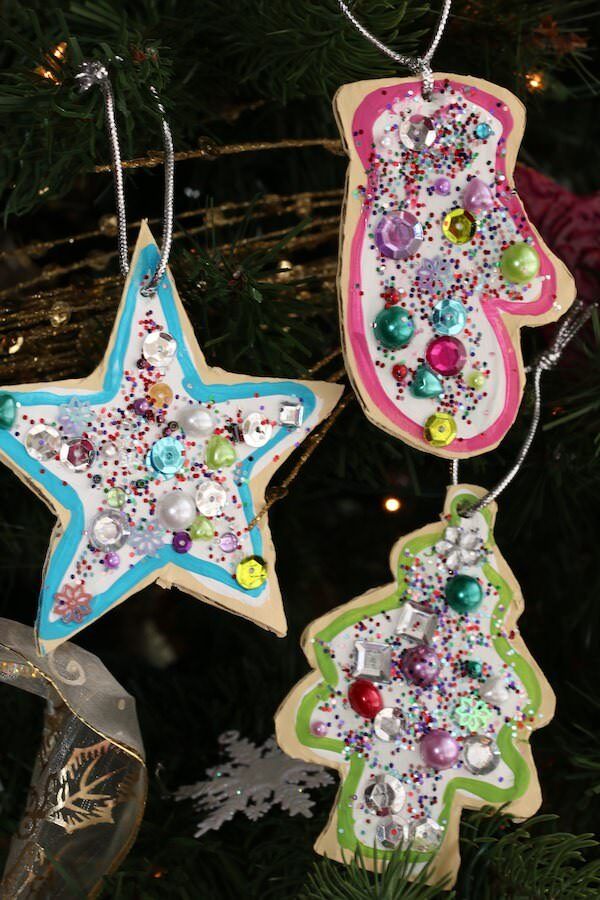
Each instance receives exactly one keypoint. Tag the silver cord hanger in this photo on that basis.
(94, 73)
(419, 64)
(569, 327)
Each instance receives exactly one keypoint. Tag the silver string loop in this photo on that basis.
(93, 73)
(569, 327)
(418, 64)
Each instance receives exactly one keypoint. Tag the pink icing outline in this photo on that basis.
(362, 124)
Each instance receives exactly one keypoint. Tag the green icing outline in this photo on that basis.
(489, 793)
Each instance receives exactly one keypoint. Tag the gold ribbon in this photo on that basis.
(88, 787)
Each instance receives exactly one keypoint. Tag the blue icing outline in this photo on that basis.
(67, 496)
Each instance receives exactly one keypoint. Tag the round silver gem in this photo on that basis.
(159, 349)
(389, 723)
(417, 132)
(428, 836)
(43, 442)
(109, 530)
(480, 754)
(394, 833)
(255, 431)
(210, 498)
(385, 794)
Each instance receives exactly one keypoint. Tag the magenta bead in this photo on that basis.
(399, 236)
(439, 749)
(446, 355)
(421, 665)
(112, 560)
(477, 195)
(181, 542)
(319, 729)
(442, 187)
(141, 406)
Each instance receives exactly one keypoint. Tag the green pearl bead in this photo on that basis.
(116, 497)
(219, 452)
(425, 384)
(8, 411)
(463, 593)
(519, 263)
(201, 529)
(393, 327)
(476, 380)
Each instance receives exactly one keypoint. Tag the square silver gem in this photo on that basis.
(373, 660)
(291, 413)
(416, 622)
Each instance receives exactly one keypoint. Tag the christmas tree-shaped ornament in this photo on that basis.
(156, 466)
(424, 697)
(440, 267)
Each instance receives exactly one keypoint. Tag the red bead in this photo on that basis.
(399, 372)
(391, 297)
(365, 698)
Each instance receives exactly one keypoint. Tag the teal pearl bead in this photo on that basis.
(426, 384)
(519, 263)
(393, 327)
(8, 411)
(463, 593)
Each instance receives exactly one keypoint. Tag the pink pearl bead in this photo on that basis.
(439, 749)
(319, 729)
(421, 665)
(446, 355)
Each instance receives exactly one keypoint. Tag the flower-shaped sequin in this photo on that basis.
(460, 547)
(147, 539)
(473, 714)
(434, 274)
(72, 603)
(74, 416)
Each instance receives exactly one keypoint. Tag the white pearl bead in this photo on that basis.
(177, 511)
(494, 690)
(197, 421)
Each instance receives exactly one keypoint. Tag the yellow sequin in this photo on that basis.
(459, 226)
(251, 572)
(440, 430)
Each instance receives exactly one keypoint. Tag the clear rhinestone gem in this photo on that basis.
(389, 723)
(159, 349)
(109, 530)
(255, 430)
(43, 442)
(427, 836)
(394, 833)
(416, 622)
(210, 498)
(373, 660)
(417, 132)
(384, 794)
(480, 754)
(77, 454)
(291, 413)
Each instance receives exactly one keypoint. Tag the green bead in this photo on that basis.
(8, 411)
(201, 529)
(463, 593)
(219, 452)
(476, 380)
(473, 668)
(116, 497)
(393, 327)
(425, 384)
(519, 263)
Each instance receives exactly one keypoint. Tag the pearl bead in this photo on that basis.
(176, 511)
(439, 749)
(463, 593)
(393, 327)
(196, 421)
(519, 263)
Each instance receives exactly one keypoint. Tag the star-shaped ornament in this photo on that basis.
(156, 466)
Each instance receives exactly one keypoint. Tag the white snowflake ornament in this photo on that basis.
(255, 780)
(460, 547)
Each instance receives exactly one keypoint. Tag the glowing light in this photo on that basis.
(535, 81)
(392, 504)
